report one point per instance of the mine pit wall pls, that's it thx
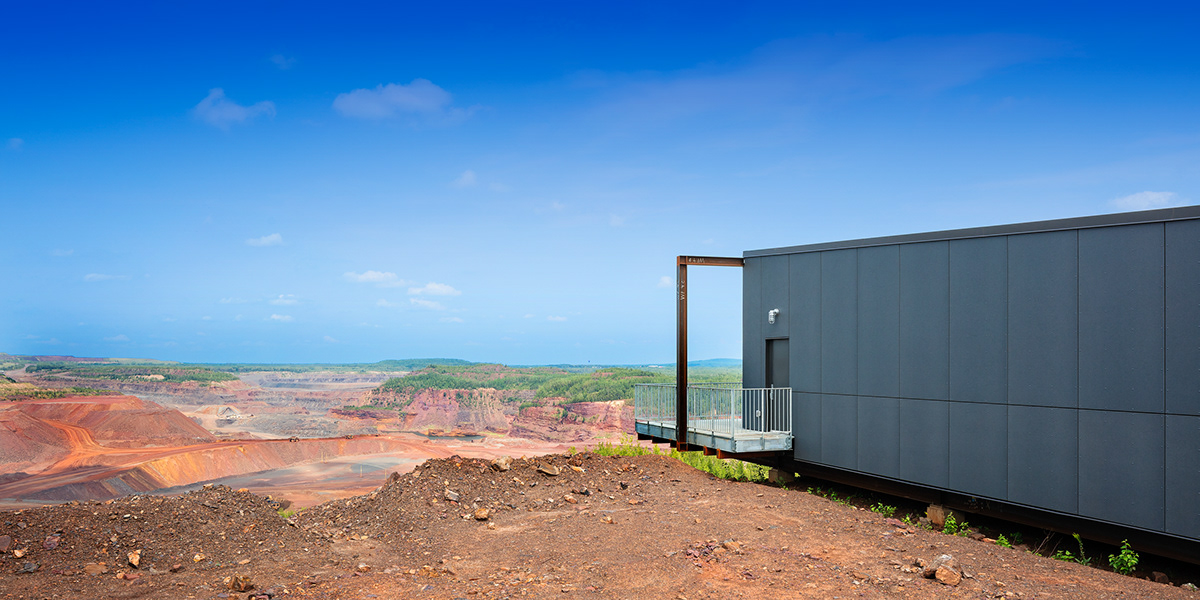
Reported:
(1046, 367)
(190, 467)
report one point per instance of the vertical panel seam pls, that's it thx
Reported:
(1079, 487)
(1164, 380)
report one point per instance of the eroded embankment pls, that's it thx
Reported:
(152, 470)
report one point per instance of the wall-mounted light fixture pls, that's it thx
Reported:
(774, 312)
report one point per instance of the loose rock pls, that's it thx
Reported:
(503, 463)
(239, 583)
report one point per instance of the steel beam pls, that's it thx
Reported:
(681, 357)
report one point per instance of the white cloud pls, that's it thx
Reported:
(206, 318)
(15, 143)
(529, 316)
(331, 340)
(232, 301)
(267, 240)
(616, 220)
(219, 111)
(1146, 200)
(285, 300)
(283, 62)
(434, 289)
(385, 304)
(61, 252)
(430, 304)
(103, 277)
(554, 318)
(666, 282)
(281, 318)
(466, 180)
(117, 338)
(498, 187)
(451, 320)
(379, 278)
(420, 96)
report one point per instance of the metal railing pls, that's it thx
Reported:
(737, 412)
(725, 410)
(654, 402)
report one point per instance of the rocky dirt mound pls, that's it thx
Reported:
(152, 546)
(555, 527)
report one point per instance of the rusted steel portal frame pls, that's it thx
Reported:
(681, 357)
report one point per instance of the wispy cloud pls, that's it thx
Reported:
(1146, 201)
(379, 278)
(285, 300)
(781, 80)
(267, 240)
(219, 111)
(419, 98)
(385, 304)
(466, 180)
(104, 277)
(554, 318)
(231, 301)
(283, 62)
(14, 144)
(430, 304)
(281, 318)
(434, 289)
(451, 320)
(61, 252)
(666, 282)
(616, 220)
(117, 338)
(331, 340)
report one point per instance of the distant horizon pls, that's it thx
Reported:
(691, 362)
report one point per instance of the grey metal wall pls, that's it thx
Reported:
(1054, 369)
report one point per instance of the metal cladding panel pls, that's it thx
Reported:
(839, 322)
(1183, 475)
(805, 321)
(879, 321)
(839, 431)
(924, 439)
(879, 436)
(979, 449)
(775, 290)
(1183, 320)
(1042, 319)
(979, 320)
(806, 426)
(925, 320)
(1043, 457)
(754, 359)
(1121, 337)
(1122, 475)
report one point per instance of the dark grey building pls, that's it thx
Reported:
(1051, 365)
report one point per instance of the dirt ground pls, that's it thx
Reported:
(585, 526)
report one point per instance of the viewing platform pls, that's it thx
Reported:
(720, 416)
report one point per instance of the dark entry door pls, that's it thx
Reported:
(763, 411)
(777, 364)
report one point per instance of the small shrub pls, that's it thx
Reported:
(1125, 561)
(886, 510)
(1003, 542)
(950, 526)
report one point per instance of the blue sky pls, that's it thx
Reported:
(511, 182)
